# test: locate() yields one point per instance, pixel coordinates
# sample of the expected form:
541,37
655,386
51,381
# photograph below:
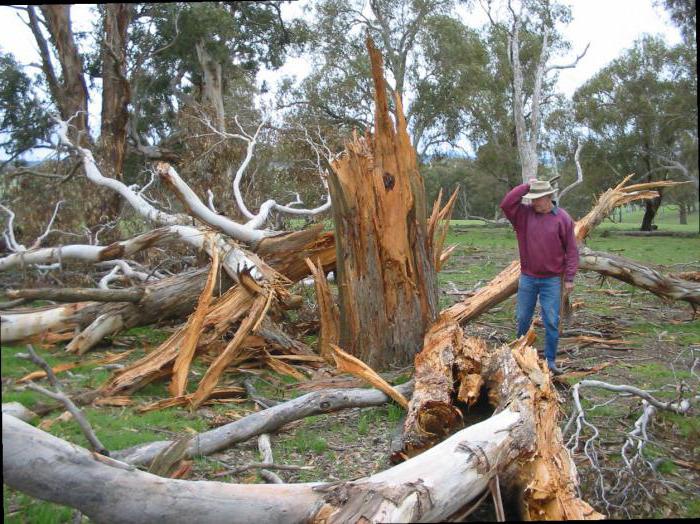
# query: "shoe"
553,369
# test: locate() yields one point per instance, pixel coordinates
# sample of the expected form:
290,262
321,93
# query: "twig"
78,415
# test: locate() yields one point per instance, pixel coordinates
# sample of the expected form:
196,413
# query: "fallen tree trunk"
428,488
520,443
541,474
133,294
664,286
171,297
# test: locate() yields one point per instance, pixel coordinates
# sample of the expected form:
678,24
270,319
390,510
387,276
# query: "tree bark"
212,84
664,286
133,294
650,209
71,95
116,91
385,266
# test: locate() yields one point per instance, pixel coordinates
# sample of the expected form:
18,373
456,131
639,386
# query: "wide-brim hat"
540,188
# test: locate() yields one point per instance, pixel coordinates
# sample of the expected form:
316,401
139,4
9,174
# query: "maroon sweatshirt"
546,241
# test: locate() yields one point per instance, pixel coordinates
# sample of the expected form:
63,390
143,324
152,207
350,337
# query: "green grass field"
666,219
481,253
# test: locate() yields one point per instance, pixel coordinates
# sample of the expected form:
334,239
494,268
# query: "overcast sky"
609,25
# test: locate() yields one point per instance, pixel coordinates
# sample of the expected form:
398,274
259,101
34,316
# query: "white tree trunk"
428,488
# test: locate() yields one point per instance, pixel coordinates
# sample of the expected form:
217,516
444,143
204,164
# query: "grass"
482,252
305,441
666,219
19,508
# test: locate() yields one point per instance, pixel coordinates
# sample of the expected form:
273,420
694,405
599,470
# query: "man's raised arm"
511,202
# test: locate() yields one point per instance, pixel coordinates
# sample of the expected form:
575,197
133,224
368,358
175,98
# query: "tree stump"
385,264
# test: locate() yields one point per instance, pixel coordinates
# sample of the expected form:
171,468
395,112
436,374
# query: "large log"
428,488
171,297
385,265
521,443
636,274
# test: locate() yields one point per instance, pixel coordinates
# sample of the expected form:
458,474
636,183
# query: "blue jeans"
549,291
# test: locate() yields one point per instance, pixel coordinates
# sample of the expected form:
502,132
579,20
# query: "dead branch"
59,395
266,421
198,209
638,275
579,173
92,253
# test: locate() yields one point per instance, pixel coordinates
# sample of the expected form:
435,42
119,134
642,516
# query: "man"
548,256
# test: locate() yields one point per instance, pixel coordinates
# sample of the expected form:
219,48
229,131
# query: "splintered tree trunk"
385,266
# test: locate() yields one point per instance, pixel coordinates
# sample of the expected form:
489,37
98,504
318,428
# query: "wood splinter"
349,364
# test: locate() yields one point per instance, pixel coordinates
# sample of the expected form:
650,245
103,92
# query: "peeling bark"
70,93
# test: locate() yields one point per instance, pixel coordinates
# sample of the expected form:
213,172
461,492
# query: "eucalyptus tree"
24,121
530,69
432,59
641,114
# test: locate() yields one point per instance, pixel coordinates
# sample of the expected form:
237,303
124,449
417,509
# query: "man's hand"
569,286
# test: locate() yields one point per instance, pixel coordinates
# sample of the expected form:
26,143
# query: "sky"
610,26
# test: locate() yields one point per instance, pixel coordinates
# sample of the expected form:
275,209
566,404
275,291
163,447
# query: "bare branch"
85,426
579,173
137,201
570,65
37,242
